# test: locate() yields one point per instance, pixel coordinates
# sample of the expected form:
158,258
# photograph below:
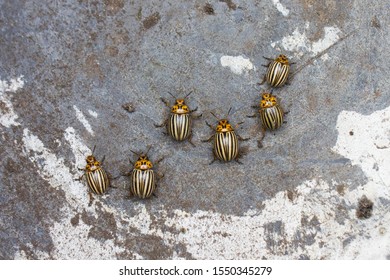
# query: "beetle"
143,178
226,147
271,114
277,71
179,123
96,177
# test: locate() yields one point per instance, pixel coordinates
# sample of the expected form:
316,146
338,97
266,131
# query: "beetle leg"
190,140
212,161
161,159
242,139
267,58
208,140
209,125
165,102
161,125
197,116
252,116
196,109
260,141
160,176
125,174
262,82
104,157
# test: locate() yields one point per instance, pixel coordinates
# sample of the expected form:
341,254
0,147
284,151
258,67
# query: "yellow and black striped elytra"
271,114
179,123
278,70
143,178
96,177
226,147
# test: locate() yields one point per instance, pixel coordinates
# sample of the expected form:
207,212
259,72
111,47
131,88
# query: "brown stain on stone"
92,67
75,220
375,22
114,6
151,20
324,13
111,51
230,4
208,9
341,189
365,207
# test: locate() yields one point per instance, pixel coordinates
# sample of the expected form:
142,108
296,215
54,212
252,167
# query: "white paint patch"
93,113
331,36
281,8
7,114
237,64
369,148
299,43
53,169
71,242
80,116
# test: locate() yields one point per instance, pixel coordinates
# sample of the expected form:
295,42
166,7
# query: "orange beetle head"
180,107
224,126
282,59
268,100
143,163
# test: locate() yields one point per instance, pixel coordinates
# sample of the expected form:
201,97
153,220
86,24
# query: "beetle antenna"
229,112
188,94
93,150
134,152
150,146
171,94
214,116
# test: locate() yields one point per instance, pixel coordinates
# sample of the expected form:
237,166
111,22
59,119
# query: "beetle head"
268,100
282,59
143,163
180,107
224,126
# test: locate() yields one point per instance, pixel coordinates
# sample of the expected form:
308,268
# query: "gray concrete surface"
68,67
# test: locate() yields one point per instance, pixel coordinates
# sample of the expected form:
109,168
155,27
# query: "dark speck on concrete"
341,189
231,5
75,220
129,107
375,22
151,20
208,9
365,207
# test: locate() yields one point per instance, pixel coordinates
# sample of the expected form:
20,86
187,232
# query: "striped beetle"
96,177
179,123
143,178
271,114
277,72
226,146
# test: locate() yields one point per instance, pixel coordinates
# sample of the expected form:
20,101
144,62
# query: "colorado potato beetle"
96,177
277,71
143,177
226,147
271,114
179,123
